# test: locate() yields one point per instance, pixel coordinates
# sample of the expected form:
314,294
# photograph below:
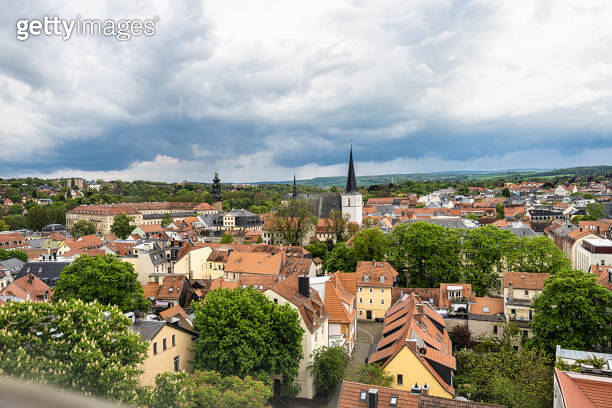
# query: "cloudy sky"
260,89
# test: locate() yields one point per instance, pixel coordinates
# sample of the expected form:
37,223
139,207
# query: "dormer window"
382,279
366,278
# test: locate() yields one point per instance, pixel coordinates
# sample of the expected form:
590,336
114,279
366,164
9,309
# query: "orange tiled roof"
28,285
495,305
219,283
336,297
174,311
445,301
349,280
171,287
373,271
584,391
351,391
254,263
603,272
152,228
150,290
525,280
311,308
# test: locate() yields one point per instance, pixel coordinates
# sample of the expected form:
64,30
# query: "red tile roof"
525,280
337,299
174,311
171,287
369,274
254,263
351,392
28,287
584,391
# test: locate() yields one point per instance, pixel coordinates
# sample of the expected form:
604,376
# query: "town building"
374,284
593,252
520,288
416,349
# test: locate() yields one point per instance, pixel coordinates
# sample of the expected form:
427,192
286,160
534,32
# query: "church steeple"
216,192
351,182
294,186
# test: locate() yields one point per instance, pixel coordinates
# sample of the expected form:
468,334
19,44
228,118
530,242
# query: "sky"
262,89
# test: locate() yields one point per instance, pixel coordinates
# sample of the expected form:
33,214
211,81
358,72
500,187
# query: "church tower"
294,187
352,201
216,193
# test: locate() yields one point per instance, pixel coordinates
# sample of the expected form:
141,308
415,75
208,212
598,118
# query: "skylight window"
363,395
393,401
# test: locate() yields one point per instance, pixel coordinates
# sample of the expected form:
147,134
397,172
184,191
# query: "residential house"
173,291
215,263
520,288
416,349
593,252
12,240
27,288
84,242
565,191
604,273
314,319
487,317
252,263
358,395
342,308
572,241
583,386
374,283
170,348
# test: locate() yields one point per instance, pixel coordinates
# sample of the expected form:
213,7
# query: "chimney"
373,398
415,389
610,275
304,285
425,389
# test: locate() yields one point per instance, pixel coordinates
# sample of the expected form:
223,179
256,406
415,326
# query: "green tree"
106,279
37,217
339,225
13,253
572,311
293,221
243,333
317,249
82,228
538,255
506,192
518,379
122,226
204,389
430,253
259,240
3,226
485,250
16,209
328,367
166,220
341,258
226,239
374,374
370,244
86,347
596,211
14,221
500,213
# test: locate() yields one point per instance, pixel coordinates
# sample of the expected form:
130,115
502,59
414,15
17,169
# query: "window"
363,395
370,301
370,290
382,290
382,279
525,333
382,301
176,364
361,289
275,300
513,311
361,313
485,309
366,278
400,379
393,401
526,293
494,329
360,300
154,348
173,340
165,346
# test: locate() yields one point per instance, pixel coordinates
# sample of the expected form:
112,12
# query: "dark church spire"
294,187
351,183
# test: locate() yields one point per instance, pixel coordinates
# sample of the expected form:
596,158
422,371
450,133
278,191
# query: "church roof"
351,182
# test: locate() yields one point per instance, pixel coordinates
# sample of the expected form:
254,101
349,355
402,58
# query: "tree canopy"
374,374
293,221
226,239
572,311
341,258
122,226
328,367
243,333
166,220
204,389
106,279
86,347
370,244
81,228
13,253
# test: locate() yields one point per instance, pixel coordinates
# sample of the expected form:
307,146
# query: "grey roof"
158,256
522,231
456,223
159,216
36,243
48,272
148,329
608,209
243,218
12,264
564,229
487,318
579,354
53,228
323,203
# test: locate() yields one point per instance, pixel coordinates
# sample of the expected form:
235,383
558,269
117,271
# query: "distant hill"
513,174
